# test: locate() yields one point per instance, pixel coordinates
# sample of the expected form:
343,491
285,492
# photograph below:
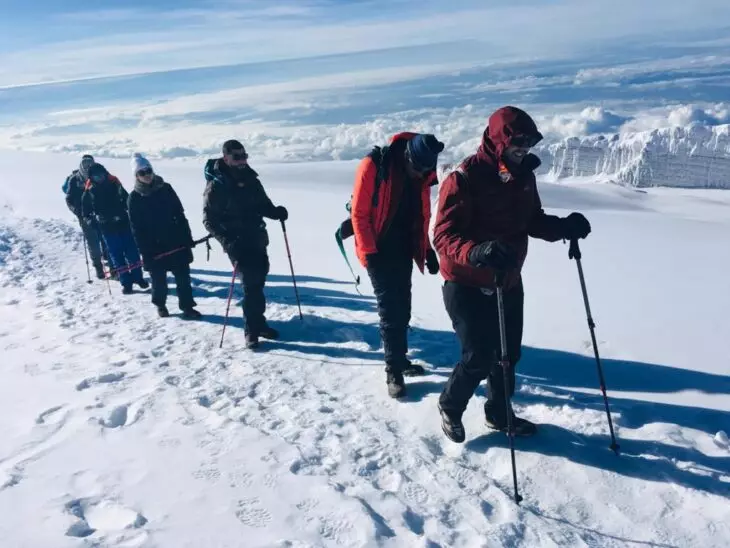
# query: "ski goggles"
525,141
145,172
87,162
98,177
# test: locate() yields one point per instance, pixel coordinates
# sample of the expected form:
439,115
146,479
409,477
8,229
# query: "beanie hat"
232,145
139,163
424,150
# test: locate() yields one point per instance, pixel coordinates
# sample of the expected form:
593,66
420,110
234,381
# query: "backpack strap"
379,156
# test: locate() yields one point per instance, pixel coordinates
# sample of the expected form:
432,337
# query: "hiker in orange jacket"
391,211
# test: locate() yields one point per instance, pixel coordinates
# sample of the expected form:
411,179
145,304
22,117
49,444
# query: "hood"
504,123
98,169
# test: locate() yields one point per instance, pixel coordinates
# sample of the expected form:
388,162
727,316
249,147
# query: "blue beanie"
424,150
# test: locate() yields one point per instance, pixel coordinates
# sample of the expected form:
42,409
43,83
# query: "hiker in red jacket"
391,211
487,210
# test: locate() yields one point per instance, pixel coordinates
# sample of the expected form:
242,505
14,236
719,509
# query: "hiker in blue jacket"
105,202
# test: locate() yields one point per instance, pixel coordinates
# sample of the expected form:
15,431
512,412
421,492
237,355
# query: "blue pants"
123,252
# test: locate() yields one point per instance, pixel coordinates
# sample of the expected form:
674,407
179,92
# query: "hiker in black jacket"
159,226
73,188
235,205
104,202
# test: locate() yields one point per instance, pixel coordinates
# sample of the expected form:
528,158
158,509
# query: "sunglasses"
144,172
525,141
238,156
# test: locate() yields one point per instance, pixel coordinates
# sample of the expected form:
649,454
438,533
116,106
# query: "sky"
71,71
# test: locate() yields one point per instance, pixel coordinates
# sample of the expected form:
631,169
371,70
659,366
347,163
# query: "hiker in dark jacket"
234,210
105,202
487,210
159,226
73,188
391,211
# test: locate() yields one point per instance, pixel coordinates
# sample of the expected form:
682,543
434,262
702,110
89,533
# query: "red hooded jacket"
369,220
481,207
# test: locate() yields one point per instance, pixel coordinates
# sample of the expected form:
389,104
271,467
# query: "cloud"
590,120
678,116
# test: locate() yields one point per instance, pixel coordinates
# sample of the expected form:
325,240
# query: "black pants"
475,319
182,282
253,267
391,280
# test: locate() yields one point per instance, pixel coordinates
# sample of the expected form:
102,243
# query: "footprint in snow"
251,513
104,516
118,417
106,378
10,479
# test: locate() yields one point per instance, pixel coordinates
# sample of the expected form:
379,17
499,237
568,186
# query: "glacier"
693,156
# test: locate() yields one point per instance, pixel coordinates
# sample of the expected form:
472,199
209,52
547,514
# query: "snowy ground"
121,429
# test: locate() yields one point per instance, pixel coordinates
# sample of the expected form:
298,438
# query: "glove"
281,213
575,227
493,254
432,262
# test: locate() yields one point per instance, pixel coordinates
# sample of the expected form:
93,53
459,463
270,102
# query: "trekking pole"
228,306
574,253
505,365
105,252
341,245
291,265
86,256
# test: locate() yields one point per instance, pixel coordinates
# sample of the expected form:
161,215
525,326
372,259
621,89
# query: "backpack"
380,157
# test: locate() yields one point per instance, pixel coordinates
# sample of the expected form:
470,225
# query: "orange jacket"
370,219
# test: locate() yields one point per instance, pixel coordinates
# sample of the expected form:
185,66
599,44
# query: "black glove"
281,214
432,262
575,227
493,254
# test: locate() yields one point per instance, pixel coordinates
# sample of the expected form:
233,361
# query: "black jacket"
106,204
159,225
234,208
74,189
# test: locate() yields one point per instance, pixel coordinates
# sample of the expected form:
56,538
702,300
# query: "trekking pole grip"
574,250
499,277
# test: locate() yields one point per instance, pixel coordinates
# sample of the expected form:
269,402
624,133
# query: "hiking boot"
521,427
268,332
396,384
162,311
99,272
143,284
452,427
413,370
127,290
252,341
191,314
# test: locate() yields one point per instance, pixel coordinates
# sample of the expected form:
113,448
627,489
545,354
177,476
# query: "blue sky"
71,71
50,39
